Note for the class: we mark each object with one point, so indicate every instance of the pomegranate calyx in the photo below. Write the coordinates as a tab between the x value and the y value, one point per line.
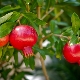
27	51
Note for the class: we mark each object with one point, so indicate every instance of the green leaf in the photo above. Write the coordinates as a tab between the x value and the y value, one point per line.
52	25
19	76
30	18
41	51
4	50
26	61
8	8
47	4
5	72
15	53
14	17
5	17
59	46
74	39
32	62
1	51
22	4
75	22
6	28
40	2
9	53
34	5
39	22
27	1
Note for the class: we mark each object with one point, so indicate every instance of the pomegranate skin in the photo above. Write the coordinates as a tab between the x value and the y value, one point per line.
4	40
72	53
23	36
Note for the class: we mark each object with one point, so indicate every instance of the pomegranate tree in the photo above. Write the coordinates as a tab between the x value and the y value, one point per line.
71	52
4	40
24	37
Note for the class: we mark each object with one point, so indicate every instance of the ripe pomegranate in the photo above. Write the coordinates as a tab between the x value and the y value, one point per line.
71	52
4	40
23	37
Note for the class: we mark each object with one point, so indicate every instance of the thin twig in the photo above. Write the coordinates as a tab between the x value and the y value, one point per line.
58	14
18	21
58	35
47	13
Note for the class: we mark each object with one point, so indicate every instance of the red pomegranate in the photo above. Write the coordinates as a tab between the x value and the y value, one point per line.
71	52
23	37
4	40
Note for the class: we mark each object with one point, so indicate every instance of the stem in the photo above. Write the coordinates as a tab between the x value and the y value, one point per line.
28	8
44	69
18	21
47	13
39	16
58	14
40	44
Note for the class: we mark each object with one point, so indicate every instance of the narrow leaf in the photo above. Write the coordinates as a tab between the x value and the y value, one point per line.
8	8
6	28
32	23
41	51
74	39
22	4
40	2
15	53
14	17
26	61
5	17
27	1
32	62
52	25
75	22
19	76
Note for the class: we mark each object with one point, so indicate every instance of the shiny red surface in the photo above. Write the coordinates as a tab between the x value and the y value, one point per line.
4	40
72	53
23	36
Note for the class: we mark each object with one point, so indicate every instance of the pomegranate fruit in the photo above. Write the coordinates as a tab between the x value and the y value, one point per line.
23	37
4	40
71	52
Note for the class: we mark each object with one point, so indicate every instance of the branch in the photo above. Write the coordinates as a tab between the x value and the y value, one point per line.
44	69
47	13
39	16
28	8
58	35
40	44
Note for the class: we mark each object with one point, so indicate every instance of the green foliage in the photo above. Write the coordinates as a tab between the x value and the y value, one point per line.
19	76
61	23
8	8
40	2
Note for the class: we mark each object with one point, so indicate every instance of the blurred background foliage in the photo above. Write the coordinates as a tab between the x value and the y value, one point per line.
58	21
